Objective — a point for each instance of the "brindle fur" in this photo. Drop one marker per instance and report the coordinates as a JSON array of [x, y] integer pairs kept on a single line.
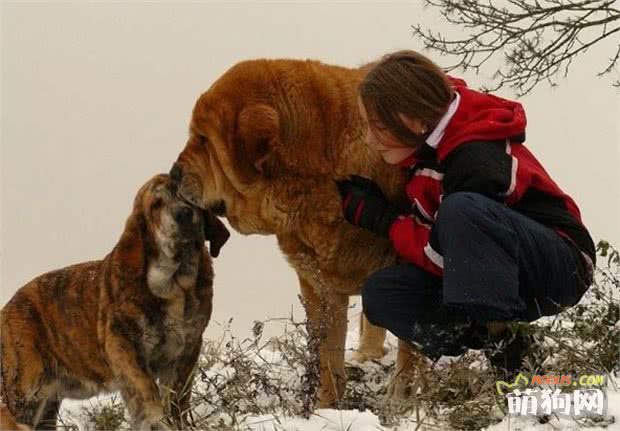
[[119, 323]]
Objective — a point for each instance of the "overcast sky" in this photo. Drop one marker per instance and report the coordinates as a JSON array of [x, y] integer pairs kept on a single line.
[[97, 97]]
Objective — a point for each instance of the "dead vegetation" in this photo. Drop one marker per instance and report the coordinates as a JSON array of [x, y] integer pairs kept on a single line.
[[243, 383]]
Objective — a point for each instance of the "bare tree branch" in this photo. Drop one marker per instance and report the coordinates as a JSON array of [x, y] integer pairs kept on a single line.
[[538, 39]]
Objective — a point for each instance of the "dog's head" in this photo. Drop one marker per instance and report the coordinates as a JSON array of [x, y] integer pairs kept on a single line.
[[163, 222], [264, 134], [228, 160], [234, 152]]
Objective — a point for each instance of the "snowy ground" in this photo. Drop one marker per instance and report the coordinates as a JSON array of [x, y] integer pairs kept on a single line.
[[247, 384], [353, 420]]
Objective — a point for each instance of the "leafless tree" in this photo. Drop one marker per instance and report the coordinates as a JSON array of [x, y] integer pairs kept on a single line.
[[538, 39]]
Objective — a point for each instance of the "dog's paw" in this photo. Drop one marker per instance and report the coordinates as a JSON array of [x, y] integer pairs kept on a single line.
[[363, 355], [408, 379], [401, 387]]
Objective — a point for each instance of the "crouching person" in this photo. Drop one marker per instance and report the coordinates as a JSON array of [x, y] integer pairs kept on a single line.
[[489, 239]]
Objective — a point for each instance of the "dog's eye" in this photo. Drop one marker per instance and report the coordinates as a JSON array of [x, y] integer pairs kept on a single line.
[[203, 140]]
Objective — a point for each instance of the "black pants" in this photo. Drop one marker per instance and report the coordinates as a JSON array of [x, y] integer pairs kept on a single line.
[[498, 266]]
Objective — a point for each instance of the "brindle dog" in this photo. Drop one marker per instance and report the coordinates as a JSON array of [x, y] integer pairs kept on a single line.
[[120, 323]]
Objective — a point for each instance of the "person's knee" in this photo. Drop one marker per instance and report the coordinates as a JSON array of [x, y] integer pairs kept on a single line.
[[461, 206], [457, 206]]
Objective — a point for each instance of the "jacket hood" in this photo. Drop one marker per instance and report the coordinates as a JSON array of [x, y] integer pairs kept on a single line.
[[481, 117]]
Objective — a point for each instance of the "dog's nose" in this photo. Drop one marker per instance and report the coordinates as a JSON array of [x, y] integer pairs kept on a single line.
[[176, 172], [183, 215]]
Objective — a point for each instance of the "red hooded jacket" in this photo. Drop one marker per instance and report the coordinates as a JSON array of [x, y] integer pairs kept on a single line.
[[481, 150]]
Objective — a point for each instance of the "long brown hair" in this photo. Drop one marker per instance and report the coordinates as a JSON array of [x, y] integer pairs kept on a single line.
[[408, 83]]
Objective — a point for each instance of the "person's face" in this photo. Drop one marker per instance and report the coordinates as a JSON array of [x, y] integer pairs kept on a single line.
[[381, 139]]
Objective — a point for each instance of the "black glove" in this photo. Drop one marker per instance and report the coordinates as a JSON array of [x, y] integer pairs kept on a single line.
[[364, 205]]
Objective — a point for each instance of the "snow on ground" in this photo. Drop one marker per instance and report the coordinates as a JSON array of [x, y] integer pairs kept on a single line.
[[354, 420], [277, 367], [323, 419]]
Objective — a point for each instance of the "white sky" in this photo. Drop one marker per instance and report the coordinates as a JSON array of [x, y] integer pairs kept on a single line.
[[97, 97]]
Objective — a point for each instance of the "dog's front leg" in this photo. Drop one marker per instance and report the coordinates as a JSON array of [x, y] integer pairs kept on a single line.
[[327, 321], [177, 385], [123, 346], [411, 373], [372, 339]]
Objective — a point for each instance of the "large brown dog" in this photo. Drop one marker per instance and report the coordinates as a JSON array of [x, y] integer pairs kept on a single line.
[[119, 323], [267, 142]]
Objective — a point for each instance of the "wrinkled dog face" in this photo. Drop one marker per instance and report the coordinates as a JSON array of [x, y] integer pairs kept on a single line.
[[177, 227], [195, 174], [234, 155]]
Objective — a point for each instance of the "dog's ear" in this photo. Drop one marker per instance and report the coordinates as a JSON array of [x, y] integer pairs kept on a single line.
[[256, 137], [215, 232], [129, 254]]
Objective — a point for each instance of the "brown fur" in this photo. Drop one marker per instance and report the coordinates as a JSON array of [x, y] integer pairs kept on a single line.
[[267, 141], [118, 323], [7, 421]]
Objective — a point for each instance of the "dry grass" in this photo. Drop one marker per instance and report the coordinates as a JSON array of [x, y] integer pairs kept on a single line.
[[238, 380]]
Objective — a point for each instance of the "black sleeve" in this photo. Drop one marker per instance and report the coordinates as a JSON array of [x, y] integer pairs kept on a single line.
[[480, 167]]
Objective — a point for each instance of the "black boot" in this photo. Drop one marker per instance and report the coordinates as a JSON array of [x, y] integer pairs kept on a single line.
[[435, 340], [507, 351]]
